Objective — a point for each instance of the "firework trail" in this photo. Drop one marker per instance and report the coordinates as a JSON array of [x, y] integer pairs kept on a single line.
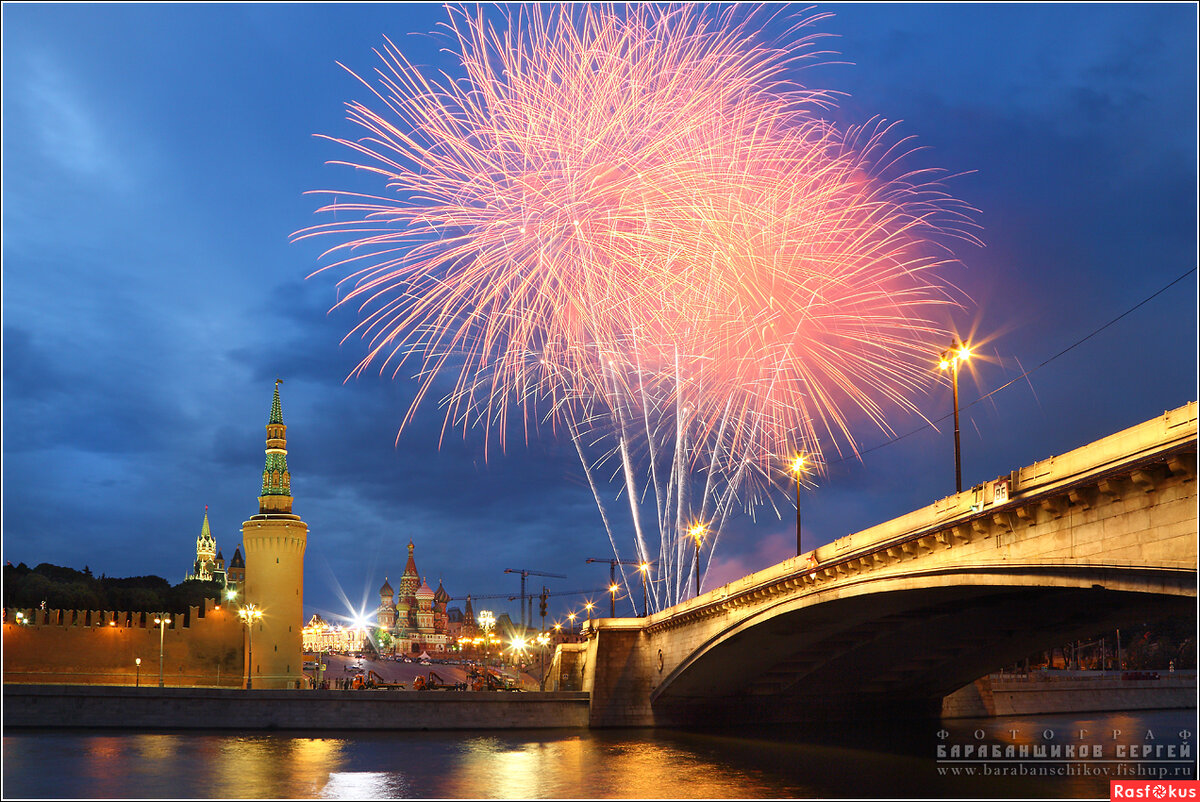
[[636, 227]]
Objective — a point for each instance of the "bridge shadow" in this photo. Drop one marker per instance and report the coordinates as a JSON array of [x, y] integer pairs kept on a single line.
[[887, 655]]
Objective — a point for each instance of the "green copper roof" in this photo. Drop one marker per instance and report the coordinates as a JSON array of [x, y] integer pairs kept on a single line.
[[276, 481], [273, 474], [276, 409]]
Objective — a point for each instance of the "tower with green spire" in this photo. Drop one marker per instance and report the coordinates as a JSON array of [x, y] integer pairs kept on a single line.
[[206, 552], [276, 495], [275, 540]]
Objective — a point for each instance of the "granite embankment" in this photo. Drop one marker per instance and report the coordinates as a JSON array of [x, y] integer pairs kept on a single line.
[[1044, 692], [155, 708]]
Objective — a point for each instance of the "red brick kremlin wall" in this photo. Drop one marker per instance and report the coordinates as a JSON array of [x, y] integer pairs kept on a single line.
[[91, 647]]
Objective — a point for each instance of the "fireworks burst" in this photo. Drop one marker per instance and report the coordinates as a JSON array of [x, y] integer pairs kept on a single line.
[[638, 227]]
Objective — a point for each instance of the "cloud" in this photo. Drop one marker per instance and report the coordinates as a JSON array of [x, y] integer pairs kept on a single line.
[[63, 124], [767, 550]]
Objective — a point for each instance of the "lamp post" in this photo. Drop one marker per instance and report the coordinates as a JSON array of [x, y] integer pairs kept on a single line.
[[950, 359], [589, 607], [543, 640], [249, 614], [612, 591], [798, 465], [486, 621], [162, 622], [644, 569], [137, 677], [571, 617], [697, 532]]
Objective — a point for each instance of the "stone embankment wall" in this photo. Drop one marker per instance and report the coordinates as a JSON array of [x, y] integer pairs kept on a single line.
[[222, 709], [1040, 693], [95, 647]]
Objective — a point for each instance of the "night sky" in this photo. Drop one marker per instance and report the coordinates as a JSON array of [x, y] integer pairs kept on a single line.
[[155, 165]]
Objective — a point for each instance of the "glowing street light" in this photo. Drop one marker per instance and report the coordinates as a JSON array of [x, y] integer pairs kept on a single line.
[[162, 622], [487, 620], [249, 615], [589, 607], [697, 532], [644, 570], [571, 617], [950, 359], [137, 677], [612, 591], [543, 640], [799, 464]]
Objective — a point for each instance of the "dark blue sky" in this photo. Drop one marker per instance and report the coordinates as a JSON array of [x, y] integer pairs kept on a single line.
[[155, 160]]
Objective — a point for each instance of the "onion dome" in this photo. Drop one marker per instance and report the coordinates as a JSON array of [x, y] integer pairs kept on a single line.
[[440, 595], [424, 592], [386, 590]]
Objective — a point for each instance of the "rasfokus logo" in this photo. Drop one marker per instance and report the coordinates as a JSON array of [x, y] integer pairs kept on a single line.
[[1153, 789]]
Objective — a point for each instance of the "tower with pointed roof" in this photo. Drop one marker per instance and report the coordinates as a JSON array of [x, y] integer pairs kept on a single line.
[[275, 540], [441, 599], [235, 576], [206, 552]]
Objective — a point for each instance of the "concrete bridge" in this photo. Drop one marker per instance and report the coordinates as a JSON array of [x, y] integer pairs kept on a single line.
[[900, 615]]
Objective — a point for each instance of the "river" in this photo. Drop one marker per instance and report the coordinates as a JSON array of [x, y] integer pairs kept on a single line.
[[926, 760]]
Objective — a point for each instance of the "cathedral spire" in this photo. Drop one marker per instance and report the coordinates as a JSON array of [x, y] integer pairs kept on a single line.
[[276, 495]]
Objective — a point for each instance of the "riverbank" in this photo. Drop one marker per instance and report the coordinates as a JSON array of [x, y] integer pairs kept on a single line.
[[84, 706]]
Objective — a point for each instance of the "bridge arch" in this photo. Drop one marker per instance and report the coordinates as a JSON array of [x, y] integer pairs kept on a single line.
[[904, 642]]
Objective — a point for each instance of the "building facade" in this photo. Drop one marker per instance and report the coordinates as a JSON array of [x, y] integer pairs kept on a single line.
[[321, 636]]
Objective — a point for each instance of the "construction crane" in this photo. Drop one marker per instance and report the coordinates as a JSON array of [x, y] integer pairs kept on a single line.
[[524, 572], [643, 568]]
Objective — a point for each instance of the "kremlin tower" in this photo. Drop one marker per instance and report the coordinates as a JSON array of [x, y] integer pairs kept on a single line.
[[275, 541]]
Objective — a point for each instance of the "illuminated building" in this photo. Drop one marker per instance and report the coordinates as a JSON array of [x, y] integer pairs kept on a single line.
[[415, 616], [321, 636], [275, 539], [210, 564]]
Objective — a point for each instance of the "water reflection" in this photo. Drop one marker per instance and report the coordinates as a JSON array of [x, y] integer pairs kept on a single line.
[[777, 762], [365, 785]]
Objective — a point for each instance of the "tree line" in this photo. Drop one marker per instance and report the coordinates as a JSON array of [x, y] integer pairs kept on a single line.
[[56, 587]]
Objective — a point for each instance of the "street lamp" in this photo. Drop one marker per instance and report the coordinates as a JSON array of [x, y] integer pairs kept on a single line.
[[486, 621], [697, 532], [644, 569], [543, 640], [799, 463], [612, 591], [589, 607], [249, 615], [950, 359], [137, 677], [571, 616], [162, 622]]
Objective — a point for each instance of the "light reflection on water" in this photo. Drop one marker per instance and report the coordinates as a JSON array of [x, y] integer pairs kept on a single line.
[[862, 760]]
